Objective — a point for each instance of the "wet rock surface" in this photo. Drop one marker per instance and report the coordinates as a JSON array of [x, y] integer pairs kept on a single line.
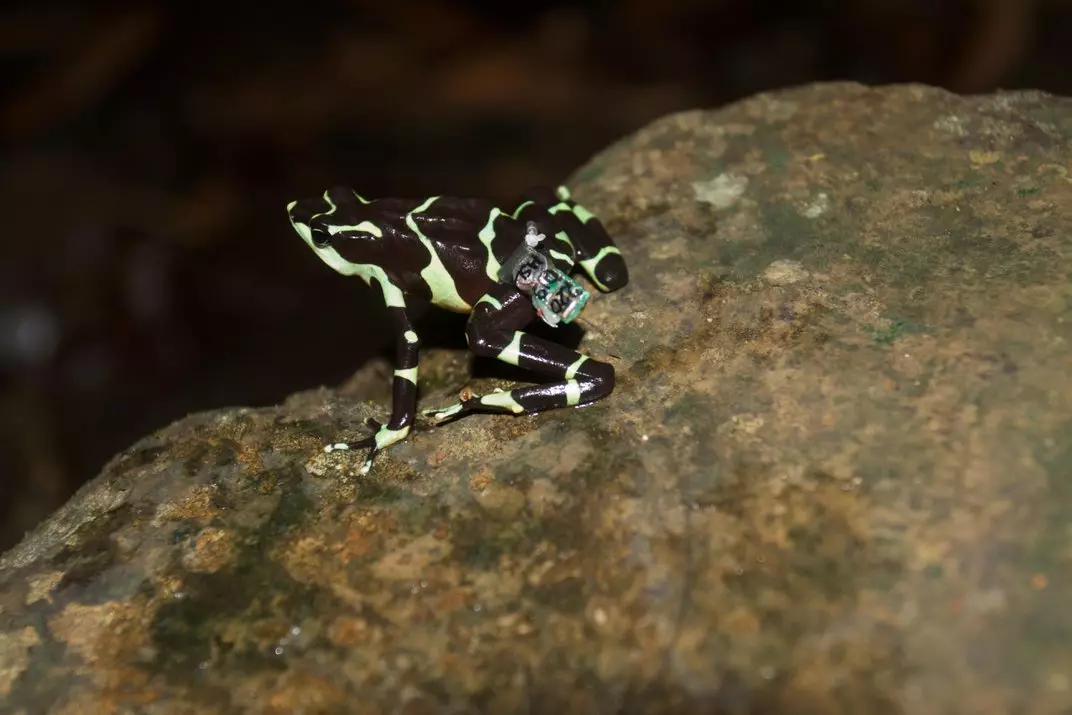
[[835, 475]]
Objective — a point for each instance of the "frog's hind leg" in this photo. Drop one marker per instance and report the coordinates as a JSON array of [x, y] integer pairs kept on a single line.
[[494, 331], [403, 397]]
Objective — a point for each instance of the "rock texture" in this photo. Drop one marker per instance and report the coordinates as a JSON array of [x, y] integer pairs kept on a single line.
[[836, 474]]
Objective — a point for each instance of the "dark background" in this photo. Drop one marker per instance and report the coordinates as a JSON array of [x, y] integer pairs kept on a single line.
[[147, 268]]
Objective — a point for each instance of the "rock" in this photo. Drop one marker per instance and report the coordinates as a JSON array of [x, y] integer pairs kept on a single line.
[[835, 475]]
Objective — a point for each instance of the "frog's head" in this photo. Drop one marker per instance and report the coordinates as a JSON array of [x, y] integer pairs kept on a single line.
[[600, 259], [301, 214]]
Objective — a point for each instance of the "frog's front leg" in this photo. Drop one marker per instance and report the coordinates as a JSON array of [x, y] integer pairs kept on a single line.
[[403, 397], [494, 331]]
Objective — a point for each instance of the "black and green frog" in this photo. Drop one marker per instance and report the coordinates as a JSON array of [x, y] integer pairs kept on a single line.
[[503, 268]]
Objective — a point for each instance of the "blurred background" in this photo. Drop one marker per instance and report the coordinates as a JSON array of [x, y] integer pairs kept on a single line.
[[147, 268]]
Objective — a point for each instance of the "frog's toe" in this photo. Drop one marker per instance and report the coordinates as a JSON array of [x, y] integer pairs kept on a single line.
[[340, 446], [369, 441], [439, 415]]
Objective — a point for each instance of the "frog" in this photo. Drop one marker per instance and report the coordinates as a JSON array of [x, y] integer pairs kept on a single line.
[[504, 268]]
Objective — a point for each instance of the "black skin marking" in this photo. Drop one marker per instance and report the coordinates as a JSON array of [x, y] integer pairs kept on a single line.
[[448, 251]]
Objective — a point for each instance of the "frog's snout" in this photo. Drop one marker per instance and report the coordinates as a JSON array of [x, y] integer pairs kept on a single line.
[[611, 273]]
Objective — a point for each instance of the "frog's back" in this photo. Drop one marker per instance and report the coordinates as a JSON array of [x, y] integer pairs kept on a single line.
[[438, 248], [444, 221]]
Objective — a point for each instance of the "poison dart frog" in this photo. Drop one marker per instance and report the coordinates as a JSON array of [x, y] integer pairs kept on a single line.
[[502, 268]]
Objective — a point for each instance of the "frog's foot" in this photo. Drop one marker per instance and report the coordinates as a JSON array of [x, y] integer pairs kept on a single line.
[[382, 437], [469, 401]]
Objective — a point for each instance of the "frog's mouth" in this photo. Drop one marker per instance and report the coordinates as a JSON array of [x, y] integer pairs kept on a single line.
[[556, 297]]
